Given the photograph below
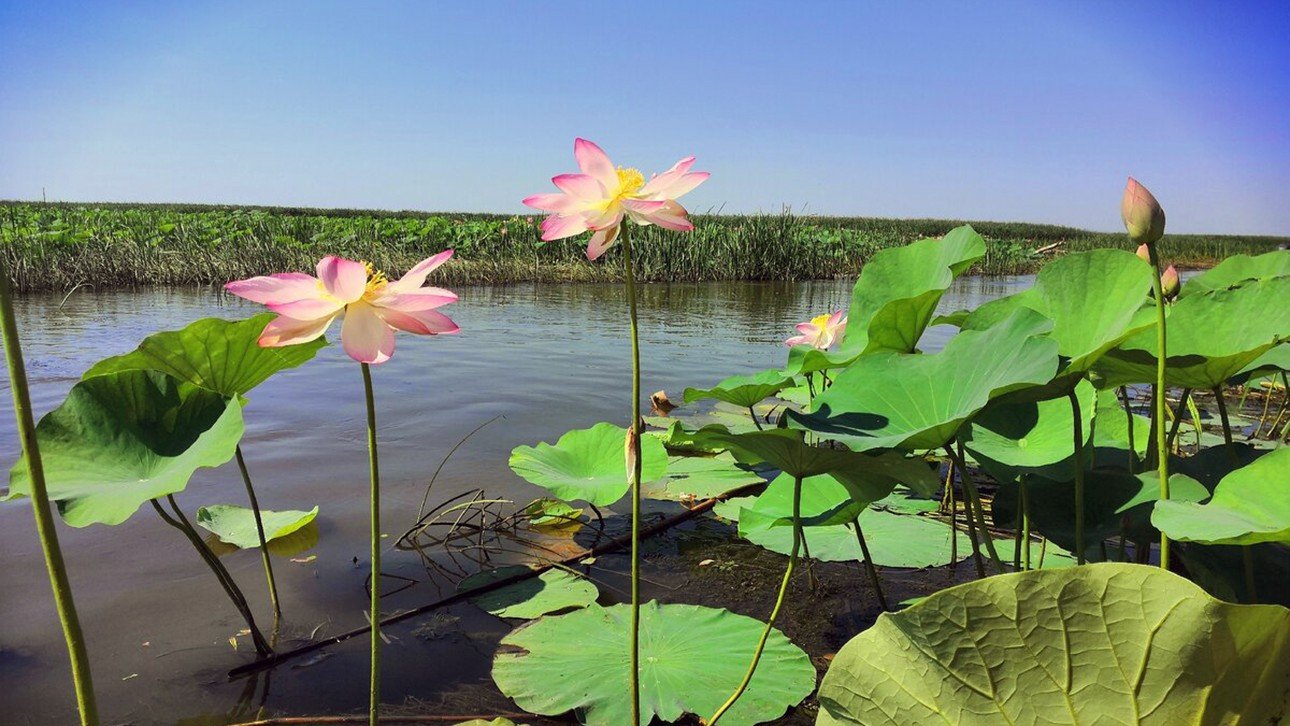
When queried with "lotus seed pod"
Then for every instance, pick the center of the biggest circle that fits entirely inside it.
(1143, 217)
(1169, 283)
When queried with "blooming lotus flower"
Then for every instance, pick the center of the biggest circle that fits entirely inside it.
(372, 305)
(1143, 217)
(821, 331)
(1169, 283)
(602, 196)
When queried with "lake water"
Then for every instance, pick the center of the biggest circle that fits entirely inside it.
(546, 358)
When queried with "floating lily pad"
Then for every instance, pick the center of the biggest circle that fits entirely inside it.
(588, 464)
(921, 401)
(703, 477)
(1105, 643)
(744, 391)
(895, 298)
(119, 440)
(691, 660)
(906, 501)
(1250, 505)
(551, 513)
(533, 597)
(222, 355)
(236, 525)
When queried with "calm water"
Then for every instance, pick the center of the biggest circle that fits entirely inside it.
(547, 358)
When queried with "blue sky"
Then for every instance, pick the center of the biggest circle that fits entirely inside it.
(1012, 111)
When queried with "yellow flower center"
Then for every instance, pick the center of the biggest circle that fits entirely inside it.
(821, 321)
(376, 281)
(629, 182)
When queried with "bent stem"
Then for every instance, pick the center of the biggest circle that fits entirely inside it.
(1078, 460)
(259, 530)
(779, 603)
(226, 581)
(635, 434)
(54, 566)
(1162, 450)
(1178, 416)
(868, 563)
(374, 692)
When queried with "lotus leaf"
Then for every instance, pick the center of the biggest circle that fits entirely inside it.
(691, 659)
(702, 477)
(921, 401)
(533, 597)
(1030, 434)
(744, 391)
(1104, 643)
(551, 513)
(119, 440)
(1238, 269)
(222, 355)
(1250, 505)
(236, 525)
(588, 464)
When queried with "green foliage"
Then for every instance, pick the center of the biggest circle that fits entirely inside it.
(745, 391)
(236, 525)
(1238, 269)
(691, 658)
(1250, 505)
(532, 597)
(119, 440)
(588, 464)
(701, 477)
(221, 355)
(549, 512)
(1112, 643)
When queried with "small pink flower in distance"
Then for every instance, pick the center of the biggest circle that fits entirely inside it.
(602, 196)
(372, 305)
(1144, 218)
(821, 332)
(1169, 283)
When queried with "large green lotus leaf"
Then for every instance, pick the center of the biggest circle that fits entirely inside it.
(1250, 505)
(1106, 643)
(895, 298)
(588, 464)
(1211, 337)
(236, 525)
(1275, 360)
(745, 391)
(894, 539)
(532, 597)
(1030, 434)
(1093, 299)
(702, 477)
(691, 660)
(222, 355)
(921, 401)
(1112, 425)
(119, 440)
(1238, 269)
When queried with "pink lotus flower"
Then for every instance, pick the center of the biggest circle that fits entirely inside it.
(1143, 216)
(373, 307)
(1144, 254)
(1169, 283)
(821, 332)
(602, 196)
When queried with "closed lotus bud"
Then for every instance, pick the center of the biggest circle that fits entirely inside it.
(1169, 283)
(1143, 217)
(1145, 253)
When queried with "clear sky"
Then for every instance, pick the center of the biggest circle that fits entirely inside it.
(1012, 111)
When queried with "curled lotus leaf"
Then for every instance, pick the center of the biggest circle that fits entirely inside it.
(745, 391)
(1103, 643)
(588, 465)
(236, 525)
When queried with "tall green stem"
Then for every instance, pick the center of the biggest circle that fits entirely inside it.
(1178, 416)
(973, 505)
(1222, 416)
(1025, 519)
(1162, 450)
(634, 433)
(869, 565)
(39, 493)
(779, 603)
(1078, 459)
(1128, 414)
(259, 530)
(374, 692)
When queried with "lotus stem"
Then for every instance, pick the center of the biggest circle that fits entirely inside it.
(779, 603)
(869, 565)
(1025, 521)
(973, 505)
(756, 423)
(1173, 429)
(1162, 449)
(1128, 414)
(1222, 416)
(54, 565)
(264, 544)
(629, 277)
(226, 581)
(374, 689)
(1017, 531)
(954, 529)
(1078, 460)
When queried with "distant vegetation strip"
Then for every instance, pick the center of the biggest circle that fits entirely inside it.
(60, 246)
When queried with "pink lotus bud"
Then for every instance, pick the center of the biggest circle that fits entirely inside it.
(1143, 217)
(1145, 253)
(1169, 283)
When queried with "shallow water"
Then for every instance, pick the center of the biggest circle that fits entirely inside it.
(547, 358)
